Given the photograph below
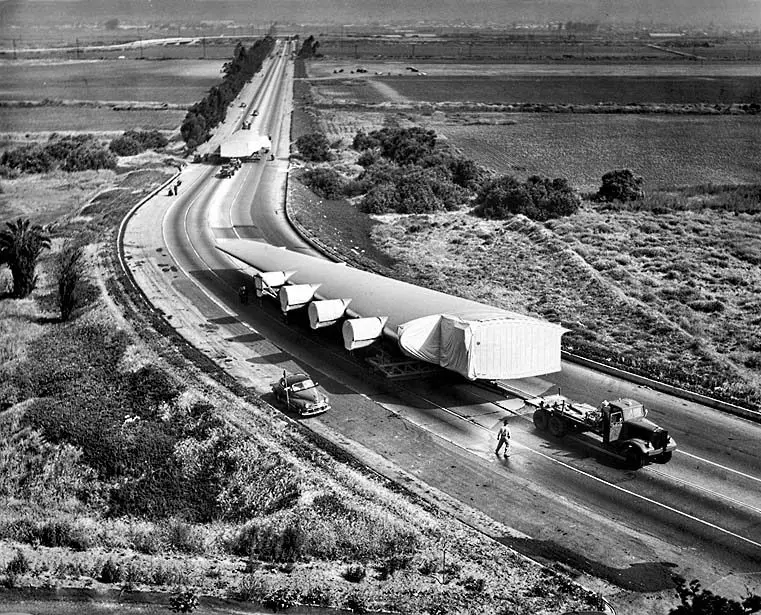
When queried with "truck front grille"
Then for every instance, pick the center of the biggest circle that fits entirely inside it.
(659, 439)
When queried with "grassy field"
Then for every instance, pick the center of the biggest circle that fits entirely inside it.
(665, 150)
(86, 119)
(171, 81)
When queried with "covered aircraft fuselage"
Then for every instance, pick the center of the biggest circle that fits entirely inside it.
(471, 338)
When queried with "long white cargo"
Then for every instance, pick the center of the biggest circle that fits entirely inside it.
(242, 144)
(471, 338)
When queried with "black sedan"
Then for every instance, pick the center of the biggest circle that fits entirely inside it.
(301, 394)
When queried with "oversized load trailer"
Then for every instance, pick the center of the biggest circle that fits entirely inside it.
(244, 144)
(480, 342)
(619, 428)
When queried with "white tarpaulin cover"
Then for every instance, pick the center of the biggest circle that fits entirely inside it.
(484, 346)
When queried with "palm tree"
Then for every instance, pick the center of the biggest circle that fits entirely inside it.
(20, 245)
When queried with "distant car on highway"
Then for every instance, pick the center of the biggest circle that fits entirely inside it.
(302, 394)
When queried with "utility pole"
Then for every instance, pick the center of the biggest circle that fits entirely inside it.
(15, 57)
(203, 42)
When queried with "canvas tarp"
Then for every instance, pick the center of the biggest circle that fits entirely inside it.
(484, 346)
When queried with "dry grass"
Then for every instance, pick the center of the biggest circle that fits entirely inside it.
(83, 119)
(673, 294)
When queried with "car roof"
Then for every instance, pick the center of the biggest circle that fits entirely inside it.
(294, 378)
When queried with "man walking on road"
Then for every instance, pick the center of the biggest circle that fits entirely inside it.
(503, 437)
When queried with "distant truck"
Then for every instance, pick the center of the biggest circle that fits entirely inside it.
(619, 428)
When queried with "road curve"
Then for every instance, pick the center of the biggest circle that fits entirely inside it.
(699, 516)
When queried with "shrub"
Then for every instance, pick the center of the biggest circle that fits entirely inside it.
(279, 598)
(314, 147)
(354, 573)
(28, 159)
(148, 139)
(110, 573)
(18, 566)
(125, 146)
(183, 602)
(697, 601)
(317, 595)
(324, 182)
(183, 537)
(69, 272)
(55, 533)
(537, 198)
(89, 156)
(355, 603)
(620, 185)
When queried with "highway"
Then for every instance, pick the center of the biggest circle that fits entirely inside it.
(698, 516)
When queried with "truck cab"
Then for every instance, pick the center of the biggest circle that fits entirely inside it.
(619, 426)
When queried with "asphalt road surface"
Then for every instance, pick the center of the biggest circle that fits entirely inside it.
(698, 516)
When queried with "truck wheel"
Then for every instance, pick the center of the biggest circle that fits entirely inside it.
(634, 460)
(557, 426)
(541, 419)
(664, 457)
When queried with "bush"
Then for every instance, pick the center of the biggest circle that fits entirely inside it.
(537, 198)
(18, 566)
(28, 159)
(697, 601)
(324, 182)
(354, 573)
(314, 147)
(279, 598)
(620, 185)
(89, 156)
(110, 573)
(125, 146)
(183, 602)
(56, 533)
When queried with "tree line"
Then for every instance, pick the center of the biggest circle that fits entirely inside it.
(212, 109)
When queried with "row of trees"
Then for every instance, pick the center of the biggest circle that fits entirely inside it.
(406, 170)
(209, 112)
(21, 244)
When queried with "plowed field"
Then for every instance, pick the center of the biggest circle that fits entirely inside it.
(665, 150)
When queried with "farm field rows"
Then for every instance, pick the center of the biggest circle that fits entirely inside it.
(86, 119)
(578, 89)
(521, 48)
(171, 81)
(324, 68)
(666, 150)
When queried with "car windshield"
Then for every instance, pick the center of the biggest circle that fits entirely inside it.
(304, 384)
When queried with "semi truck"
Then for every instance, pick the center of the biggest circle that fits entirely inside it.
(618, 428)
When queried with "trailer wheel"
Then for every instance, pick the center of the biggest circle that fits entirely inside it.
(541, 419)
(558, 427)
(634, 459)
